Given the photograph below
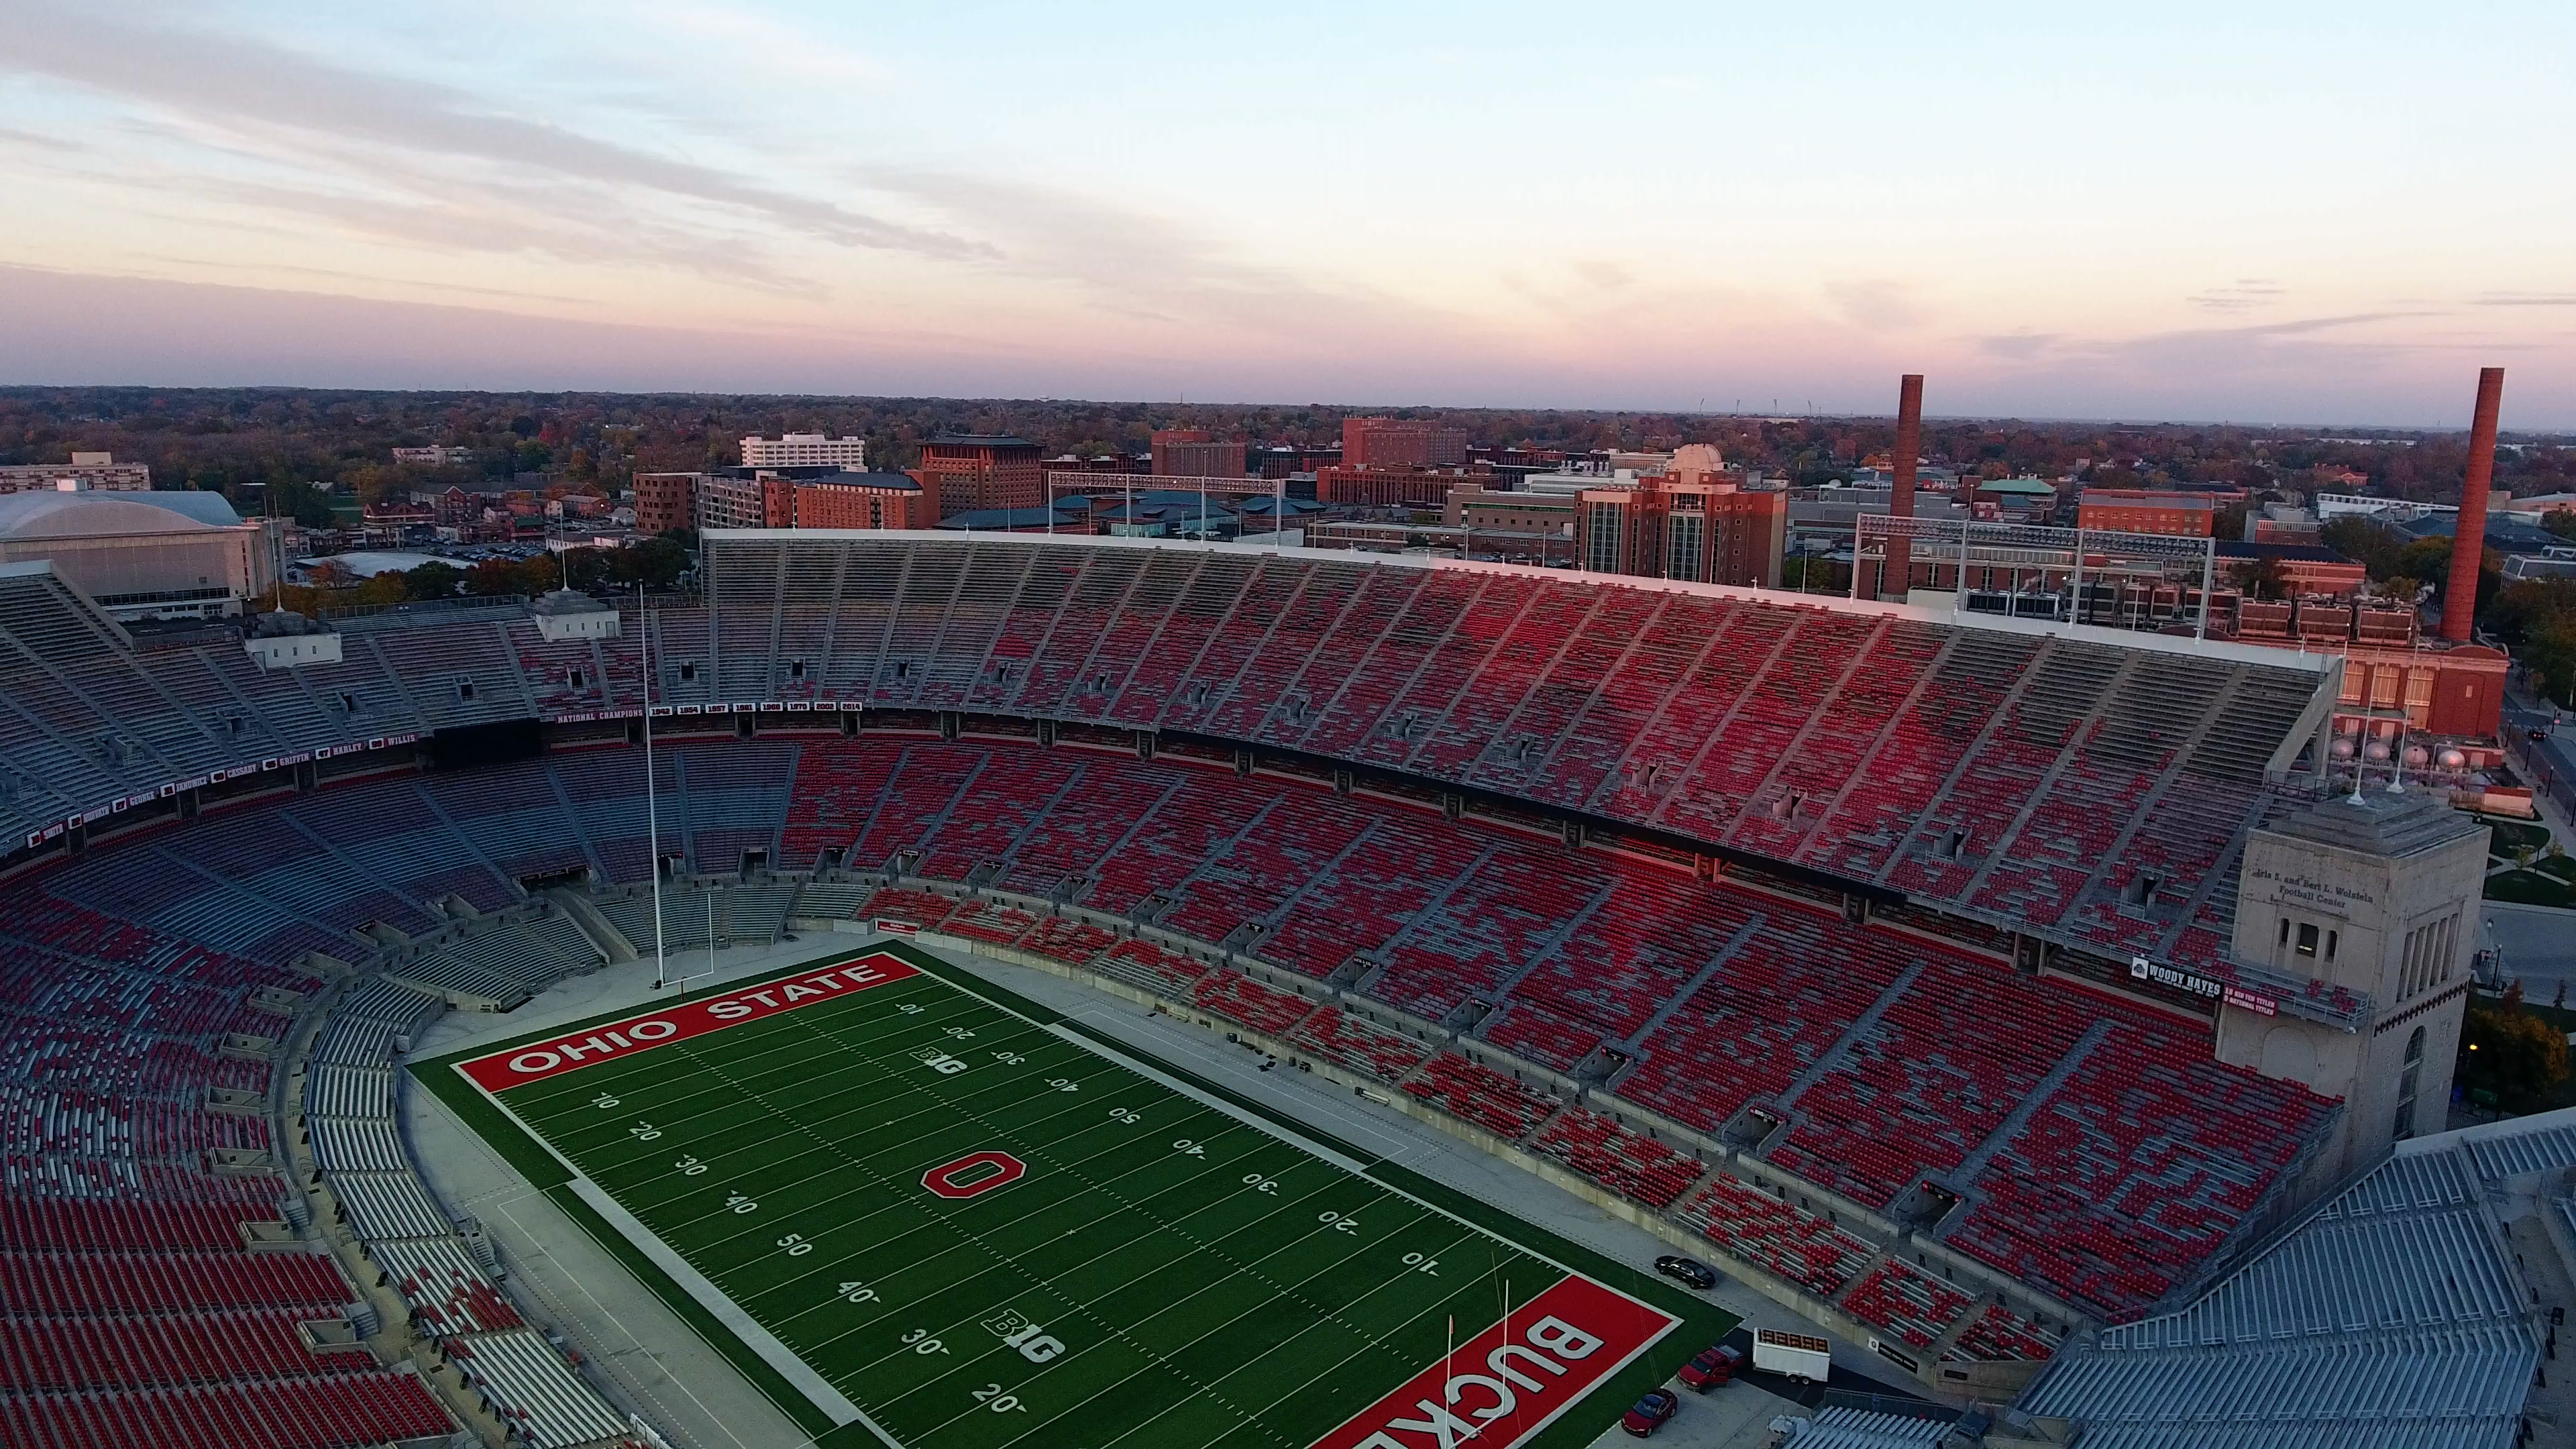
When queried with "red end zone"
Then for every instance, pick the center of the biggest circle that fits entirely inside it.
(1514, 1378)
(536, 1061)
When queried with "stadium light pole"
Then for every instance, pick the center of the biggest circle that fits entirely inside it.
(652, 814)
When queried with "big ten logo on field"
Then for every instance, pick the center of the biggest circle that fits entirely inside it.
(974, 1174)
(939, 1061)
(1034, 1343)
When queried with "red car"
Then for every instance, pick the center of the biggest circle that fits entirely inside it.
(1649, 1413)
(1714, 1369)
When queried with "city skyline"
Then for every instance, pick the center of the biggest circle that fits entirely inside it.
(2303, 216)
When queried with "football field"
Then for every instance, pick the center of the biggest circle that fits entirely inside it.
(942, 1222)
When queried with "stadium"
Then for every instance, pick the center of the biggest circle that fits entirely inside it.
(2028, 1008)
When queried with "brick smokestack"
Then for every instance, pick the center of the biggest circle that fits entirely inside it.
(1898, 572)
(2468, 545)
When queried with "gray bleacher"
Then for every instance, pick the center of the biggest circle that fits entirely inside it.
(1844, 1427)
(2391, 1316)
(224, 916)
(685, 917)
(386, 1206)
(356, 1041)
(758, 912)
(505, 962)
(390, 1002)
(832, 900)
(465, 979)
(551, 1406)
(332, 1090)
(357, 1144)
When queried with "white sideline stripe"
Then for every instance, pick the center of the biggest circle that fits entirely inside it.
(1219, 1104)
(742, 1325)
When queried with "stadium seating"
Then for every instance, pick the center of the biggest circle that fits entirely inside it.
(1947, 1062)
(1239, 998)
(1915, 1307)
(1890, 1057)
(325, 1412)
(1628, 1163)
(2138, 1166)
(2000, 1335)
(1774, 1236)
(1333, 1035)
(1476, 1093)
(1852, 743)
(1149, 967)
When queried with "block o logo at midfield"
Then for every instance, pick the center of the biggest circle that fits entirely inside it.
(974, 1174)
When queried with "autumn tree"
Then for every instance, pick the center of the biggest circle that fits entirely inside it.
(2514, 1054)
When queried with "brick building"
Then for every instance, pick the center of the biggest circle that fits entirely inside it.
(1516, 509)
(2141, 510)
(1704, 531)
(663, 501)
(866, 500)
(98, 472)
(1191, 453)
(728, 500)
(805, 450)
(975, 471)
(1401, 443)
(1348, 486)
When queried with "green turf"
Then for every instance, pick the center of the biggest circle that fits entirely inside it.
(1210, 1282)
(2530, 888)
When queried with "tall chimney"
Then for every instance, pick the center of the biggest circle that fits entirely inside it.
(1900, 503)
(2468, 545)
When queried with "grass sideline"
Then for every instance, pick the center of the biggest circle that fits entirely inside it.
(1702, 1323)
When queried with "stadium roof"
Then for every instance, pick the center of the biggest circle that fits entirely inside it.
(86, 514)
(1001, 520)
(2392, 1317)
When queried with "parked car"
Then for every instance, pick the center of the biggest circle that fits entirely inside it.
(1690, 1271)
(1713, 1369)
(1649, 1413)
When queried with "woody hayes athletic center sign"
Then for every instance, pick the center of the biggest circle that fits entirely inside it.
(518, 1066)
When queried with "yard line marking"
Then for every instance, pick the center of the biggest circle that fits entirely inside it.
(812, 1385)
(1213, 1103)
(758, 1073)
(1081, 1305)
(1254, 1420)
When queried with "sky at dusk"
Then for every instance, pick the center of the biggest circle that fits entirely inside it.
(2246, 211)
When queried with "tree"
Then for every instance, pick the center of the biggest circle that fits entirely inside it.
(2367, 542)
(308, 504)
(2514, 1054)
(434, 580)
(656, 563)
(2261, 577)
(492, 577)
(2560, 521)
(388, 587)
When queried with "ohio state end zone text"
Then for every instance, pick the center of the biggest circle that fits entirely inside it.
(965, 1227)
